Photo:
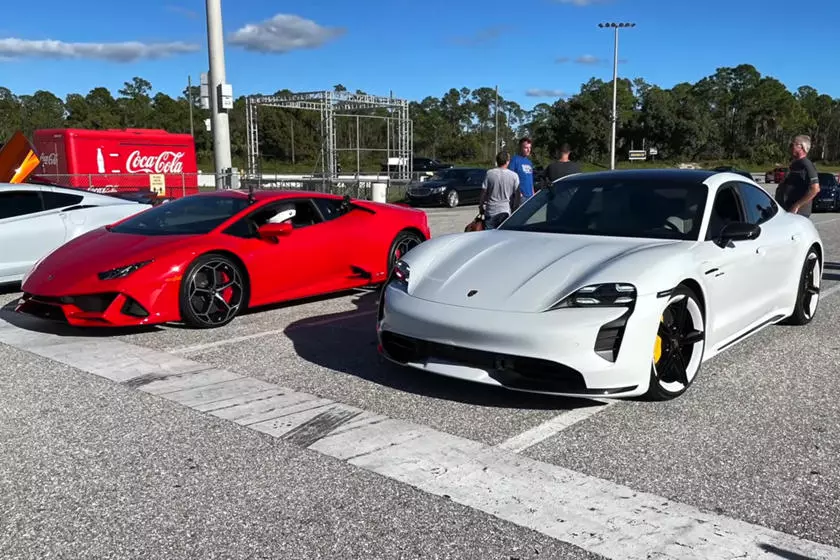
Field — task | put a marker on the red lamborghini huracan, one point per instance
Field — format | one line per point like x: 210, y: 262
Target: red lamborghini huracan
x: 204, y: 258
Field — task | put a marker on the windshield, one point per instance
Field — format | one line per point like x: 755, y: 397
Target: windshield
x: 827, y: 179
x: 191, y: 215
x: 621, y: 207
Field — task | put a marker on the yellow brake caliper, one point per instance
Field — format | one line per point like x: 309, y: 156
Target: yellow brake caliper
x: 657, y: 344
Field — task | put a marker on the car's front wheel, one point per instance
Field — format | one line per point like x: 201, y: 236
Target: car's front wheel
x: 451, y: 198
x: 808, y: 290
x: 213, y: 291
x: 679, y: 345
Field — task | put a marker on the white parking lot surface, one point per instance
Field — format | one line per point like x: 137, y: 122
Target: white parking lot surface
x: 742, y: 466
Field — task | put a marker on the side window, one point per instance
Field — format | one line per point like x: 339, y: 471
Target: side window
x: 476, y: 177
x: 305, y: 214
x: 726, y: 209
x: 19, y: 203
x: 330, y: 208
x: 54, y: 200
x: 758, y: 205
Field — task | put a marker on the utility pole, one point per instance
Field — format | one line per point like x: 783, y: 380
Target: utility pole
x: 190, y: 100
x: 496, y: 145
x: 221, y: 95
x: 614, y: 115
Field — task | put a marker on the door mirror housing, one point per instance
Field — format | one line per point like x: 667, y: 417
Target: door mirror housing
x: 739, y: 231
x: 273, y: 231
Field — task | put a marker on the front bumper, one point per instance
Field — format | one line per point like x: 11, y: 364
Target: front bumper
x: 598, y: 352
x: 423, y: 196
x: 121, y: 304
x: 823, y: 204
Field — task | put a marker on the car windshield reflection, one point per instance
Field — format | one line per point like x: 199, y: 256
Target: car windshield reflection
x: 192, y: 215
x: 619, y: 207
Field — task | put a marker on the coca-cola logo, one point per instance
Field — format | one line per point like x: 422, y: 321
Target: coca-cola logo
x: 165, y: 162
x: 49, y: 159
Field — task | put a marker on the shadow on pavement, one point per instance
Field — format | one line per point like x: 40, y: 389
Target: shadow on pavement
x: 346, y: 342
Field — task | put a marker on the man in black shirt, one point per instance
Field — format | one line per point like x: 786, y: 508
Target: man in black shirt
x: 802, y: 183
x: 562, y: 166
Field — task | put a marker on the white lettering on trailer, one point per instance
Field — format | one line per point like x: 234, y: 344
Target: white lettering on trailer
x: 165, y: 162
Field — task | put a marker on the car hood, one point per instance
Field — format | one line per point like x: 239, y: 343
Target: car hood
x: 432, y: 183
x: 79, y: 261
x: 526, y: 271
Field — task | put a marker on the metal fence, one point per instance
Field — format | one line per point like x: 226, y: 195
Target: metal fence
x: 177, y: 185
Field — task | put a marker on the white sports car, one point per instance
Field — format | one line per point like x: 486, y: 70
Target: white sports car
x: 608, y: 284
x: 37, y: 219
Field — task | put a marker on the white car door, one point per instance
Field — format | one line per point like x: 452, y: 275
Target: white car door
x: 776, y: 247
x: 732, y: 271
x: 28, y: 231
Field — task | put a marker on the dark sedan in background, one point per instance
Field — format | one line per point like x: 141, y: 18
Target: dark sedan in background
x: 451, y: 187
x: 829, y: 197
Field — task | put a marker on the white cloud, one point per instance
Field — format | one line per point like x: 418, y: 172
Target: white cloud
x: 283, y: 33
x: 545, y: 93
x: 588, y: 59
x: 192, y: 14
x: 581, y: 2
x: 129, y: 51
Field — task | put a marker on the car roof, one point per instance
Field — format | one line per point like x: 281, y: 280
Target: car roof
x: 269, y: 194
x: 90, y: 196
x: 659, y: 174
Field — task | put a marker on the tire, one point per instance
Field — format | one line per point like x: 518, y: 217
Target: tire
x: 403, y: 243
x: 212, y: 279
x: 678, y: 351
x: 451, y: 198
x: 808, y: 290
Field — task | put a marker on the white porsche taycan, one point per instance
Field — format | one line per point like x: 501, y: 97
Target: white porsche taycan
x: 37, y: 219
x: 608, y: 284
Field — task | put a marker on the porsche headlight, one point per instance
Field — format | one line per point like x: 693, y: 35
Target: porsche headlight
x: 402, y: 272
x: 122, y: 271
x: 600, y: 295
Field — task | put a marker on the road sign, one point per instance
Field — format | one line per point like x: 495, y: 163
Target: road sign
x: 637, y: 155
x: 157, y: 184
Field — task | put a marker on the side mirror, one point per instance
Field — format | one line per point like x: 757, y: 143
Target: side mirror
x: 739, y: 231
x: 273, y: 231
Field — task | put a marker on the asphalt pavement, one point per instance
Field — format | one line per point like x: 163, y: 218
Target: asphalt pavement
x: 283, y: 435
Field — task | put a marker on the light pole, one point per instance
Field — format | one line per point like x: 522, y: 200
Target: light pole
x: 221, y: 97
x: 614, y: 116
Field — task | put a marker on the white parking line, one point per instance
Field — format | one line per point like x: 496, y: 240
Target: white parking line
x: 233, y: 340
x: 594, y: 514
x: 522, y: 441
x: 262, y: 334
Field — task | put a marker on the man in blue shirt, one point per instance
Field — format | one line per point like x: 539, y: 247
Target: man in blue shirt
x: 522, y: 166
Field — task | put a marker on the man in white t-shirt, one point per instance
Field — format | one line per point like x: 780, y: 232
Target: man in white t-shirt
x: 499, y: 192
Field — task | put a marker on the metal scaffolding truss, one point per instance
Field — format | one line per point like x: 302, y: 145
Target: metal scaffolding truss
x: 330, y: 104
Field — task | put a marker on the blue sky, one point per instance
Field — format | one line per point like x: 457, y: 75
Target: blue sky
x: 415, y: 48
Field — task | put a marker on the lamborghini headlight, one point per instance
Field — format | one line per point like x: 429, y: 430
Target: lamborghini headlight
x: 600, y: 295
x: 122, y: 271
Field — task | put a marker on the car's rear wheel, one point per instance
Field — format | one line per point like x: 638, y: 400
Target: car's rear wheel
x: 808, y: 292
x: 679, y: 346
x: 213, y: 291
x: 404, y: 242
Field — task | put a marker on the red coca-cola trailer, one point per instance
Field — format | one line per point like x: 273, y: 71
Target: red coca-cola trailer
x: 118, y: 160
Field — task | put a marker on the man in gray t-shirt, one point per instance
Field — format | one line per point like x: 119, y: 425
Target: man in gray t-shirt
x: 499, y: 192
